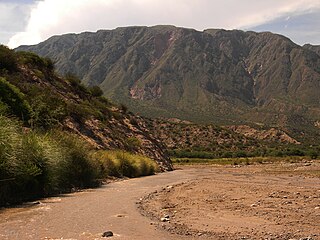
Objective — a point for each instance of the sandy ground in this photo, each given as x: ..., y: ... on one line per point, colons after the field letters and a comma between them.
x: 208, y: 202
x: 248, y: 202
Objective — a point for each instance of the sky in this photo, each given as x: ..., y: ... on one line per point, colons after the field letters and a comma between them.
x: 26, y: 22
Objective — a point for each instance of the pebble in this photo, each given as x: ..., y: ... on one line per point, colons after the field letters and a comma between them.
x: 107, y: 234
x: 164, y: 219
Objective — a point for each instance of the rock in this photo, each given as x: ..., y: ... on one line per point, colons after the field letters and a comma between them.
x: 317, y: 208
x: 164, y: 219
x: 253, y: 205
x: 107, y: 234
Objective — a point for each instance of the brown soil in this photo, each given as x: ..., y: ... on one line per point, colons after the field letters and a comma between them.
x: 211, y: 202
x: 248, y: 202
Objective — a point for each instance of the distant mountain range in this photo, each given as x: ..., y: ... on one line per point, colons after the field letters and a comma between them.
x: 214, y: 76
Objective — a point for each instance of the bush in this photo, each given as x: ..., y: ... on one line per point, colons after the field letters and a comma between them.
x: 33, y: 59
x: 120, y: 163
x: 9, y: 145
x: 48, y: 109
x: 33, y: 165
x: 76, y: 169
x: 96, y: 91
x: 8, y: 59
x: 3, y: 108
x: 14, y: 99
x: 133, y: 143
x: 76, y: 84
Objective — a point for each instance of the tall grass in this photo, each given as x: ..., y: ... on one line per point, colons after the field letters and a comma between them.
x: 125, y: 164
x: 34, y: 165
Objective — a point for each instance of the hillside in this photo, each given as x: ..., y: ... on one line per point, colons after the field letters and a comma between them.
x: 35, y: 94
x: 214, y: 76
x: 189, y: 140
x: 314, y: 48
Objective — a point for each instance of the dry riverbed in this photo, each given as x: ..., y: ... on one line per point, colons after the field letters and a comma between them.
x: 266, y: 201
x: 277, y: 201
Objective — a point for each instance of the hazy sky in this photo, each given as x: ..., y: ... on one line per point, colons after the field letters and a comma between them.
x: 32, y: 21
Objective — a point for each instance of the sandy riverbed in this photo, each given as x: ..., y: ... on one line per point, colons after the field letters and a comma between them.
x: 249, y: 202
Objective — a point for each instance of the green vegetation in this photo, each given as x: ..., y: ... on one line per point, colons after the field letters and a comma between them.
x: 194, y: 79
x: 125, y: 164
x: 41, y: 105
x: 7, y: 59
x: 34, y: 165
x: 282, y: 150
x: 14, y: 99
x: 37, y: 156
x: 237, y: 161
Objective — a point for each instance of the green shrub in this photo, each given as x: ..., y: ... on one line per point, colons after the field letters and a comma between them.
x: 240, y: 154
x: 313, y: 154
x: 133, y: 143
x: 76, y: 169
x: 96, y: 91
x: 38, y: 156
x: 120, y: 163
x: 8, y: 59
x: 9, y: 145
x: 48, y: 110
x: 33, y: 165
x: 3, y: 108
x: 33, y: 59
x: 76, y: 84
x: 80, y: 112
x: 14, y: 99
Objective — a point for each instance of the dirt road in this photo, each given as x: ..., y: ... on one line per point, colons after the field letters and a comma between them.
x: 195, y: 200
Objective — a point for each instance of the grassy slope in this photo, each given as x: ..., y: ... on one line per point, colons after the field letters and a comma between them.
x: 37, y: 156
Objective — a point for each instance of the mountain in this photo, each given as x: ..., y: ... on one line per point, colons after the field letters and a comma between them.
x: 213, y: 76
x: 314, y: 48
x: 43, y: 101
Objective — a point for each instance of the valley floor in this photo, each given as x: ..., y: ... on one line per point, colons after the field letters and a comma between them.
x: 202, y: 202
x: 273, y: 201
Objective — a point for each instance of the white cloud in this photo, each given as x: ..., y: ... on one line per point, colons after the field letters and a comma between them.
x: 52, y: 17
x: 13, y: 18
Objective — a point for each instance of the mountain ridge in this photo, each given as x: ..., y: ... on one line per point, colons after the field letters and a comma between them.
x: 217, y: 76
x: 63, y: 103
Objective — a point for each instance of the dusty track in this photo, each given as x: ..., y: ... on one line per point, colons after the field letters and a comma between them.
x: 86, y: 215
